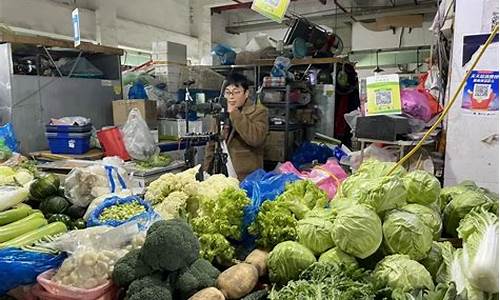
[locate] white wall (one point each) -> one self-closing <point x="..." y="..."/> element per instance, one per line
<point x="467" y="156"/>
<point x="363" y="38"/>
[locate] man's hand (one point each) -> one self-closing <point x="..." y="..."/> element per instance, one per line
<point x="231" y="106"/>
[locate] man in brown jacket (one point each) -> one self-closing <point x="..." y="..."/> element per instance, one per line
<point x="247" y="130"/>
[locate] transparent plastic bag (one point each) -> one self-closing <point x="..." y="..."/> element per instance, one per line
<point x="139" y="141"/>
<point x="5" y="152"/>
<point x="93" y="253"/>
<point x="372" y="151"/>
<point x="24" y="266"/>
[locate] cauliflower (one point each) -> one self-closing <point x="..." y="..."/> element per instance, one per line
<point x="178" y="195"/>
<point x="173" y="206"/>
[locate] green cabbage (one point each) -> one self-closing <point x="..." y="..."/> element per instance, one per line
<point x="287" y="260"/>
<point x="434" y="260"/>
<point x="460" y="205"/>
<point x="403" y="274"/>
<point x="372" y="168"/>
<point x="315" y="234"/>
<point x="357" y="230"/>
<point x="322" y="213"/>
<point x="448" y="193"/>
<point x="405" y="233"/>
<point x="337" y="256"/>
<point x="301" y="196"/>
<point x="422" y="187"/>
<point x="430" y="217"/>
<point x="381" y="194"/>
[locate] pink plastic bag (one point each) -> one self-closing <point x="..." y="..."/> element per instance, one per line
<point x="53" y="290"/>
<point x="416" y="104"/>
<point x="327" y="177"/>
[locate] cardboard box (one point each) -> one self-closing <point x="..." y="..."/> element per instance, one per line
<point x="121" y="109"/>
<point x="274" y="148"/>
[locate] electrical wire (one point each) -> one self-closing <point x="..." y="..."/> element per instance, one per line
<point x="450" y="104"/>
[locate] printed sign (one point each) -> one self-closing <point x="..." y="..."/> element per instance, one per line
<point x="272" y="9"/>
<point x="383" y="95"/>
<point x="480" y="95"/>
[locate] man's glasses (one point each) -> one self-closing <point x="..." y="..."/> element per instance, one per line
<point x="232" y="93"/>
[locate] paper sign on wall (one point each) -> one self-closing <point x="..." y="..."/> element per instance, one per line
<point x="480" y="95"/>
<point x="383" y="95"/>
<point x="272" y="9"/>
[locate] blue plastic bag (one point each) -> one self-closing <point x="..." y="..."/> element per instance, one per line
<point x="20" y="267"/>
<point x="137" y="91"/>
<point x="8" y="135"/>
<point x="261" y="186"/>
<point x="143" y="219"/>
<point x="309" y="152"/>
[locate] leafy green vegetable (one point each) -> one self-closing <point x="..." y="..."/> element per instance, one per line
<point x="301" y="196"/>
<point x="372" y="168"/>
<point x="357" y="230"/>
<point x="224" y="215"/>
<point x="337" y="256"/>
<point x="422" y="187"/>
<point x="381" y="194"/>
<point x="428" y="216"/>
<point x="443" y="274"/>
<point x="323" y="281"/>
<point x="434" y="260"/>
<point x="405" y="233"/>
<point x="403" y="274"/>
<point x="274" y="224"/>
<point x="287" y="260"/>
<point x="122" y="211"/>
<point x="315" y="234"/>
<point x="156" y="161"/>
<point x="461" y="204"/>
<point x="214" y="246"/>
<point x="327" y="214"/>
<point x="479" y="231"/>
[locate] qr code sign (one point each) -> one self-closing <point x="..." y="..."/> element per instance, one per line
<point x="481" y="90"/>
<point x="383" y="97"/>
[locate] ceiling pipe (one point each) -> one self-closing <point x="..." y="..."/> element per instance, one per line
<point x="345" y="10"/>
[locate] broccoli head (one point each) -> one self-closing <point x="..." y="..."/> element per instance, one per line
<point x="201" y="274"/>
<point x="129" y="268"/>
<point x="170" y="245"/>
<point x="153" y="280"/>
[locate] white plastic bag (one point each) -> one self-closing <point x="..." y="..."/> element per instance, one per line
<point x="83" y="185"/>
<point x="139" y="141"/>
<point x="12" y="195"/>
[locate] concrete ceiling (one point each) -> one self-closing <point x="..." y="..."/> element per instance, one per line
<point x="365" y="11"/>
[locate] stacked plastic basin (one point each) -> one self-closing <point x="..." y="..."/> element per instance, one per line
<point x="68" y="139"/>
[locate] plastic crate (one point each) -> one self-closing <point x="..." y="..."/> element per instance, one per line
<point x="48" y="289"/>
<point x="68" y="143"/>
<point x="68" y="128"/>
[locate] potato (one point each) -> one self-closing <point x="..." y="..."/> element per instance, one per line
<point x="210" y="293"/>
<point x="238" y="280"/>
<point x="257" y="258"/>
